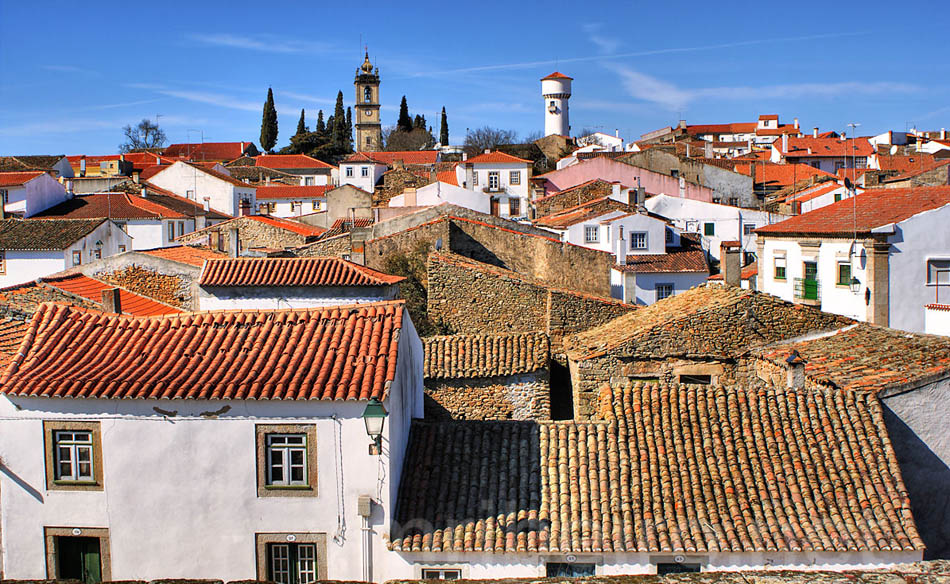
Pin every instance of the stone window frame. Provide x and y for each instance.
(260, 438)
(52, 426)
(261, 540)
(462, 569)
(101, 533)
(775, 267)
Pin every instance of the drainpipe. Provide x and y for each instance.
(364, 506)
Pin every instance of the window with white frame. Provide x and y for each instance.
(474, 177)
(748, 228)
(287, 463)
(514, 177)
(287, 459)
(493, 180)
(292, 563)
(315, 205)
(664, 291)
(441, 573)
(73, 453)
(349, 171)
(96, 254)
(638, 240)
(364, 171)
(308, 181)
(591, 234)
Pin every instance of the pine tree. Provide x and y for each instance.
(444, 129)
(302, 124)
(321, 127)
(349, 129)
(269, 123)
(404, 124)
(339, 124)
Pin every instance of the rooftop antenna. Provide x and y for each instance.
(854, 197)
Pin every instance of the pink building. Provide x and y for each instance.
(612, 171)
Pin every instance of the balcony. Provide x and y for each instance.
(808, 291)
(493, 189)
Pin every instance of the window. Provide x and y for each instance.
(709, 229)
(564, 570)
(97, 254)
(349, 169)
(676, 568)
(696, 379)
(315, 205)
(664, 291)
(171, 230)
(73, 455)
(122, 225)
(591, 234)
(638, 240)
(84, 557)
(181, 228)
(748, 228)
(121, 249)
(3, 262)
(844, 274)
(286, 460)
(474, 177)
(364, 171)
(369, 142)
(514, 207)
(441, 573)
(669, 236)
(77, 257)
(779, 268)
(938, 272)
(190, 194)
(367, 94)
(837, 197)
(675, 173)
(493, 180)
(291, 558)
(308, 181)
(514, 177)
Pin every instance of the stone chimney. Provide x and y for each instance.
(234, 242)
(795, 365)
(111, 302)
(731, 261)
(814, 133)
(621, 248)
(469, 172)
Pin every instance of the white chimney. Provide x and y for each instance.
(784, 142)
(796, 123)
(143, 192)
(621, 249)
(814, 133)
(487, 150)
(69, 189)
(207, 204)
(616, 132)
(943, 133)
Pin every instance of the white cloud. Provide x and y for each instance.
(218, 99)
(70, 69)
(261, 43)
(606, 44)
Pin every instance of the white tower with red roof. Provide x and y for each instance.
(556, 90)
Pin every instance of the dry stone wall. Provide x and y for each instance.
(338, 246)
(252, 233)
(514, 397)
(576, 196)
(173, 290)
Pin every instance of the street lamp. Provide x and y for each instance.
(374, 416)
(855, 285)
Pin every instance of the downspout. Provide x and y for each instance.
(365, 508)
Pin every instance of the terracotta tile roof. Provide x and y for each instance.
(289, 161)
(771, 174)
(707, 321)
(111, 205)
(341, 226)
(734, 128)
(334, 353)
(325, 271)
(269, 192)
(362, 157)
(24, 299)
(130, 303)
(170, 200)
(15, 179)
(448, 177)
(427, 157)
(294, 226)
(185, 254)
(807, 193)
(467, 356)
(42, 162)
(866, 211)
(911, 173)
(151, 171)
(868, 357)
(583, 212)
(556, 75)
(909, 163)
(688, 258)
(671, 469)
(259, 175)
(825, 147)
(44, 234)
(747, 272)
(207, 150)
(495, 158)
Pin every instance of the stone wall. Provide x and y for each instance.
(514, 397)
(435, 233)
(931, 178)
(573, 197)
(173, 290)
(252, 233)
(338, 246)
(396, 181)
(570, 312)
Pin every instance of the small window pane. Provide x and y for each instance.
(709, 229)
(280, 563)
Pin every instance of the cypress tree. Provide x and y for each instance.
(339, 124)
(269, 123)
(404, 123)
(444, 129)
(349, 129)
(302, 124)
(321, 127)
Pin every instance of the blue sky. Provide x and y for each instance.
(71, 79)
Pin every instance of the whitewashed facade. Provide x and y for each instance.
(194, 183)
(33, 196)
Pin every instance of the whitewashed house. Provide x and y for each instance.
(25, 194)
(599, 141)
(362, 171)
(272, 283)
(882, 256)
(712, 222)
(503, 178)
(291, 201)
(440, 192)
(242, 434)
(312, 172)
(204, 184)
(32, 248)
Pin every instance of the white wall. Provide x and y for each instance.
(609, 233)
(640, 288)
(439, 192)
(917, 239)
(937, 320)
(152, 233)
(282, 206)
(248, 298)
(180, 178)
(26, 266)
(367, 183)
(35, 196)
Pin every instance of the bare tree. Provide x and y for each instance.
(480, 139)
(142, 136)
(399, 140)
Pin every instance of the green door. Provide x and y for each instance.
(77, 558)
(810, 285)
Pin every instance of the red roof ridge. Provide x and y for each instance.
(495, 156)
(556, 75)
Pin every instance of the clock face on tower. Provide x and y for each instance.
(369, 113)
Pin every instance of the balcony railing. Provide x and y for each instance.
(493, 189)
(807, 289)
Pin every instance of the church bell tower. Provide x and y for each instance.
(369, 130)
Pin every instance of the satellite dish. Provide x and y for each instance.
(893, 149)
(847, 183)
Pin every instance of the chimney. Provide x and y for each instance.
(464, 156)
(469, 171)
(615, 192)
(242, 149)
(245, 207)
(796, 123)
(687, 150)
(730, 257)
(616, 132)
(267, 181)
(708, 153)
(409, 196)
(814, 133)
(135, 177)
(234, 243)
(796, 370)
(621, 249)
(121, 157)
(143, 193)
(784, 142)
(69, 189)
(943, 133)
(682, 125)
(82, 166)
(111, 303)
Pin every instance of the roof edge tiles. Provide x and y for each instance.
(286, 272)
